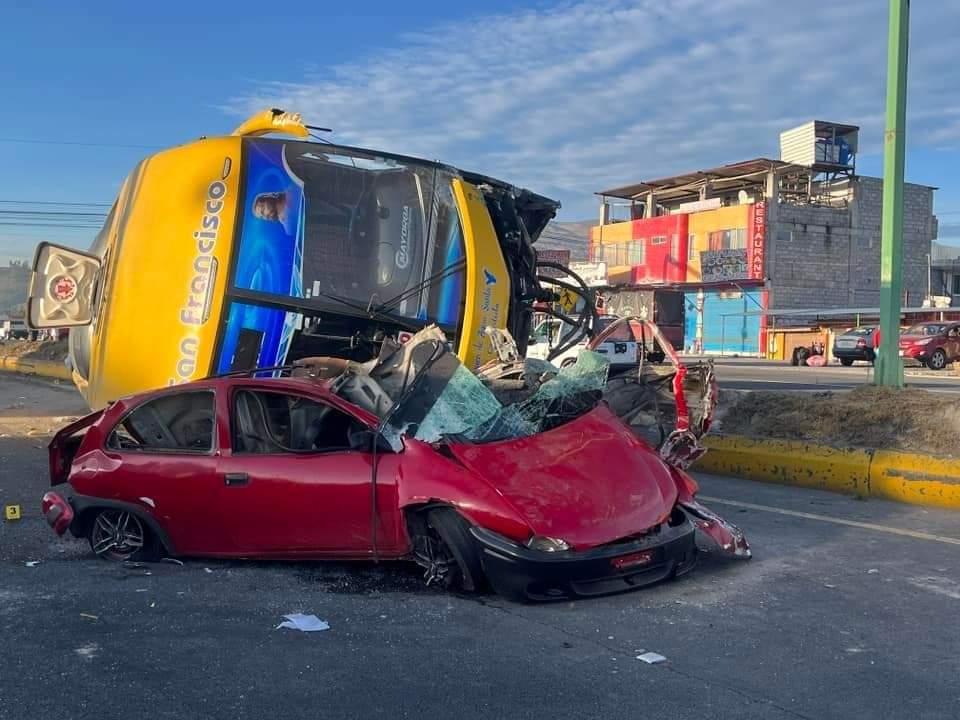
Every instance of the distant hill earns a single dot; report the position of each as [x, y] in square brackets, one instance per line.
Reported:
[572, 236]
[14, 279]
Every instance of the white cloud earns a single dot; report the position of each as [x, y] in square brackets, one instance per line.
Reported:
[589, 95]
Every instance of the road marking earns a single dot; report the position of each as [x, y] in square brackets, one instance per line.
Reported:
[836, 521]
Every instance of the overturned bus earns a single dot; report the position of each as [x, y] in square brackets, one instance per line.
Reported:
[234, 253]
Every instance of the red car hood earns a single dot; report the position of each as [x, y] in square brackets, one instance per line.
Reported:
[590, 481]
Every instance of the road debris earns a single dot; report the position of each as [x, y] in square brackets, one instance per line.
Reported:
[651, 658]
[303, 623]
[88, 651]
[88, 616]
[32, 563]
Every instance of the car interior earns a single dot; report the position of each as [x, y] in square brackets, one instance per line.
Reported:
[171, 422]
[271, 422]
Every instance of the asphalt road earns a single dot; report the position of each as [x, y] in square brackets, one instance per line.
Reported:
[830, 619]
[756, 374]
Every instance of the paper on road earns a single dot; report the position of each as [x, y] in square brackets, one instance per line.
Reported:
[303, 623]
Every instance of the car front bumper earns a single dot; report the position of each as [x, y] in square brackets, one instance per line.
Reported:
[522, 574]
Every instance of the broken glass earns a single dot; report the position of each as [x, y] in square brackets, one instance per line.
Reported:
[464, 405]
[576, 389]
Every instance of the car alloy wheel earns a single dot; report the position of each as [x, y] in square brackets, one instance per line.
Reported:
[938, 361]
[117, 535]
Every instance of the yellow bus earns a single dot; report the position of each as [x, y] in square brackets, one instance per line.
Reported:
[246, 251]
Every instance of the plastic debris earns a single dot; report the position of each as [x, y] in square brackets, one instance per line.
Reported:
[303, 623]
[88, 616]
[208, 570]
[872, 571]
[173, 561]
[88, 651]
[651, 658]
[32, 563]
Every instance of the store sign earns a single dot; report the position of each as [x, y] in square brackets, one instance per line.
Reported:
[756, 243]
[592, 273]
[722, 265]
[699, 205]
[560, 257]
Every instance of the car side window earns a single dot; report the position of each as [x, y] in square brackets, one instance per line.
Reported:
[954, 332]
[181, 422]
[271, 422]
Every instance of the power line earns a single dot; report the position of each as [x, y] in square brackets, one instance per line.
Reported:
[78, 143]
[53, 202]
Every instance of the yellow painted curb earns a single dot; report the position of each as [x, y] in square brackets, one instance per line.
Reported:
[41, 368]
[917, 479]
[905, 477]
[788, 462]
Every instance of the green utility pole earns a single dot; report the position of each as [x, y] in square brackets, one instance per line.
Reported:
[889, 370]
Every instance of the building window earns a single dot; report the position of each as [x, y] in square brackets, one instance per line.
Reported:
[674, 247]
[658, 240]
[636, 252]
[734, 239]
[956, 284]
[691, 247]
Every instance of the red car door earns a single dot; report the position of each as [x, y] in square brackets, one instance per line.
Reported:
[291, 484]
[161, 456]
[952, 345]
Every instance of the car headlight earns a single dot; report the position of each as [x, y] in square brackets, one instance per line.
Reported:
[547, 544]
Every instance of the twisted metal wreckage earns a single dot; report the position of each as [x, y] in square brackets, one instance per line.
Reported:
[420, 389]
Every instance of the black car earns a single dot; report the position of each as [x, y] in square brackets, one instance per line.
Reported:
[855, 344]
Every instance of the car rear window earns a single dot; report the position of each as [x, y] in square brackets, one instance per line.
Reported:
[177, 423]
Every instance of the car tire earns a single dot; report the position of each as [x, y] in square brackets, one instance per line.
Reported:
[120, 536]
[846, 362]
[937, 361]
[454, 533]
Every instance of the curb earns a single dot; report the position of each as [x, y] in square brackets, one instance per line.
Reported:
[40, 368]
[904, 477]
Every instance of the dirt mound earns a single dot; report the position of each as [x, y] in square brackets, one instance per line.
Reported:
[35, 349]
[869, 416]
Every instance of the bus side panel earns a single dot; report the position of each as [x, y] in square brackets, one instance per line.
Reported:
[488, 284]
[173, 244]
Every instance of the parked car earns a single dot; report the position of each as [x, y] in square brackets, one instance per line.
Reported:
[859, 343]
[413, 459]
[933, 344]
[550, 333]
[626, 343]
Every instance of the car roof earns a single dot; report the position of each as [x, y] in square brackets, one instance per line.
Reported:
[315, 387]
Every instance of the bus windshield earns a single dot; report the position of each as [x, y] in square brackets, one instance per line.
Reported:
[342, 231]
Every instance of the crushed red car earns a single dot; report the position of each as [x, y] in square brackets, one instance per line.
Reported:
[520, 476]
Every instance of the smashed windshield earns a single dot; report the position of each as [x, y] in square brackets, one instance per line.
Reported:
[434, 396]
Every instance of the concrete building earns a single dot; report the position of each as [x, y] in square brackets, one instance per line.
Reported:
[795, 233]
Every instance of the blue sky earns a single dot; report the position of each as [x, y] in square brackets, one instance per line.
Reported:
[563, 97]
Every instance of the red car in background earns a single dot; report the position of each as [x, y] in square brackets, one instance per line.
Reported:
[246, 467]
[934, 344]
